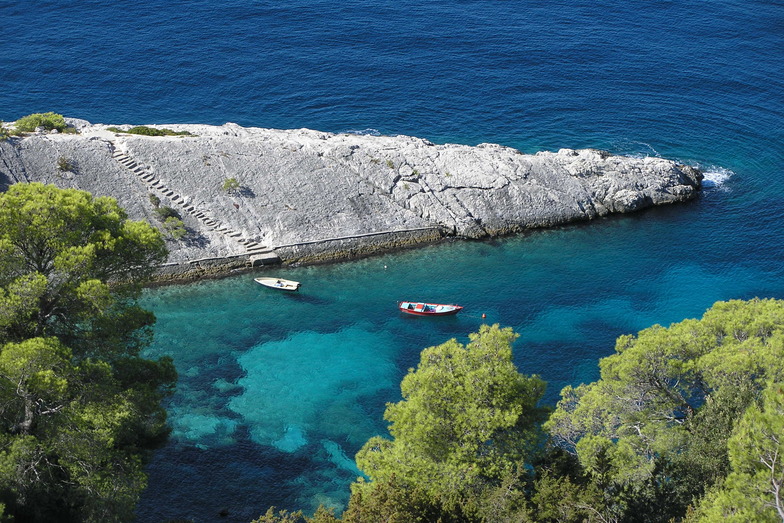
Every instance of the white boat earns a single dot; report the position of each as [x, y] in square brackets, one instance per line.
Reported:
[428, 309]
[278, 283]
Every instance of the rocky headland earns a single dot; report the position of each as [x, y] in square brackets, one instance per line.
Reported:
[305, 196]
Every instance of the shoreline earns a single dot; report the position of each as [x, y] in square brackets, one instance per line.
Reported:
[218, 268]
[250, 197]
[302, 254]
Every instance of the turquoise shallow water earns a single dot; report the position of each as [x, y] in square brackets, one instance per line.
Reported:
[277, 392]
[285, 388]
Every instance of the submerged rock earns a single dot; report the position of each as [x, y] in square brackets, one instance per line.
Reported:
[303, 195]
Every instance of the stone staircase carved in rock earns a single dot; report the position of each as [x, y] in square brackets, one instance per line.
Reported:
[254, 250]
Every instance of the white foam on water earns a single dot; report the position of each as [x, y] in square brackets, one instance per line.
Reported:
[716, 177]
[635, 149]
[364, 132]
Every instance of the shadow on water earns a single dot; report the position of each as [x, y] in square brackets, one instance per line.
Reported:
[450, 319]
[245, 463]
[310, 299]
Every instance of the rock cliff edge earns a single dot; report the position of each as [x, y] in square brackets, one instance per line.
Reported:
[307, 196]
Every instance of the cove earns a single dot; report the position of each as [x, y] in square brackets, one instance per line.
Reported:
[278, 391]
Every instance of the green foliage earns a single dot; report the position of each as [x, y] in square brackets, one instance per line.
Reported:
[60, 248]
[393, 500]
[4, 134]
[174, 228]
[48, 121]
[283, 516]
[230, 185]
[467, 418]
[79, 408]
[171, 222]
[754, 489]
[149, 131]
[559, 498]
[163, 213]
[53, 418]
[654, 429]
[64, 164]
[322, 515]
[154, 200]
[678, 411]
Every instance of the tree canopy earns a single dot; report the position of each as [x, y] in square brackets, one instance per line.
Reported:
[60, 250]
[467, 418]
[754, 488]
[79, 407]
[657, 422]
[686, 423]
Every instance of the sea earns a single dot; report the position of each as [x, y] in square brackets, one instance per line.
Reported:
[277, 392]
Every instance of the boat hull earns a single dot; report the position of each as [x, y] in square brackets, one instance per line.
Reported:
[428, 309]
[278, 284]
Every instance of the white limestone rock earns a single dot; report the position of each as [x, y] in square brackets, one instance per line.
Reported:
[314, 187]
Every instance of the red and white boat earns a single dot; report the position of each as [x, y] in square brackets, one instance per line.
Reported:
[428, 309]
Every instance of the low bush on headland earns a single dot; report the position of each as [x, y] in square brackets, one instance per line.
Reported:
[171, 221]
[230, 185]
[149, 131]
[48, 121]
[166, 212]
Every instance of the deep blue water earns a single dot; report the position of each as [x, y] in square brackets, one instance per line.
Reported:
[277, 392]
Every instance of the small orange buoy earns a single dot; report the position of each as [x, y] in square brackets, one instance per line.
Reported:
[484, 315]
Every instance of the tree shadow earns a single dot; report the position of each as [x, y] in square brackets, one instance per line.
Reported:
[194, 238]
[246, 192]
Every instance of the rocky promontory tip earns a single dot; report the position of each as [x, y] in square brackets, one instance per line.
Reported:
[253, 196]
